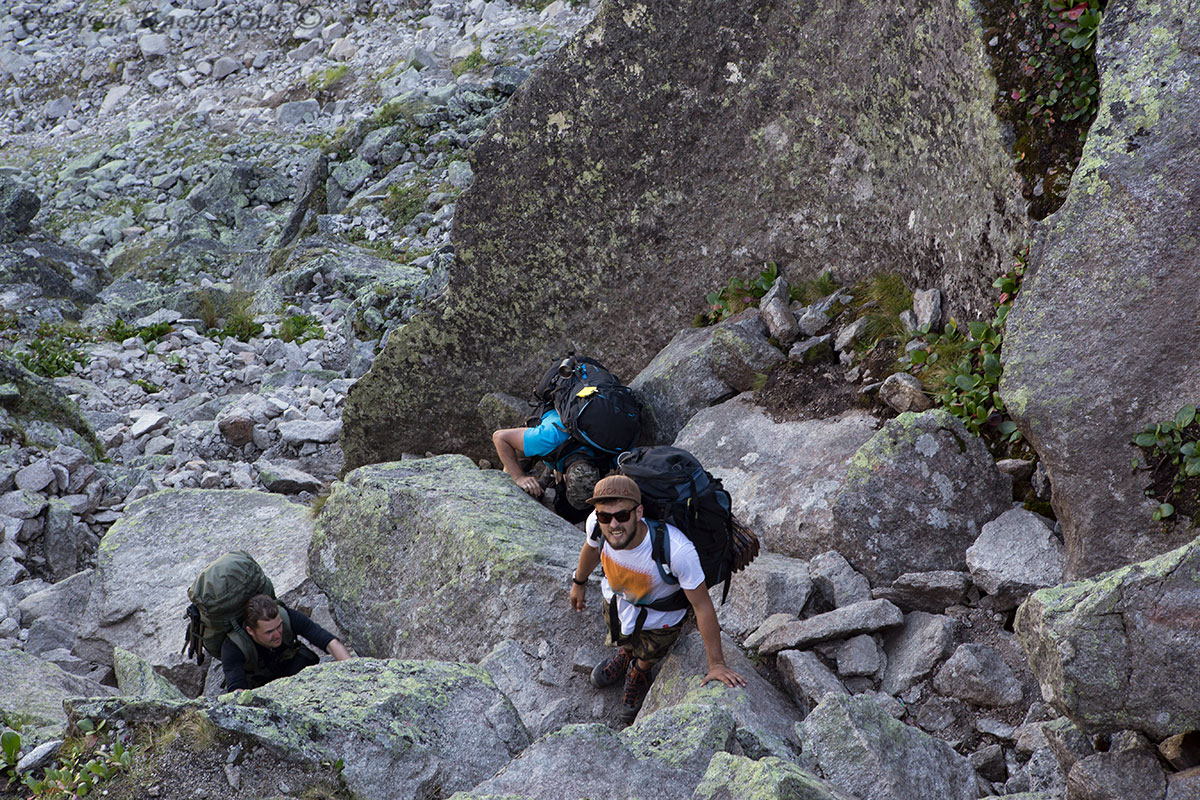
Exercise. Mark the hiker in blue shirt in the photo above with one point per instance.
(577, 468)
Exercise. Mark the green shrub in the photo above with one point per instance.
(119, 331)
(403, 203)
(737, 296)
(881, 299)
(241, 326)
(299, 328)
(472, 61)
(54, 351)
(1172, 449)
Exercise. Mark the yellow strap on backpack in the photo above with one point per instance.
(585, 391)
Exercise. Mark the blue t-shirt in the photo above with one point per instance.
(546, 437)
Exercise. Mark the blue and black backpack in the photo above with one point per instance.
(599, 412)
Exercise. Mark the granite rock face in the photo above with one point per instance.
(1117, 257)
(1108, 651)
(651, 170)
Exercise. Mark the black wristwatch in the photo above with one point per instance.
(576, 580)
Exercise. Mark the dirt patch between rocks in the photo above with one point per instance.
(797, 391)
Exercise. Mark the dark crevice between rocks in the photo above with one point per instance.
(1040, 79)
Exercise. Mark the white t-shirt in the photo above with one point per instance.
(634, 577)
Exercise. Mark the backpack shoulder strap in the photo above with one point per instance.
(660, 549)
(244, 643)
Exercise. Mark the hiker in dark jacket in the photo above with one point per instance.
(271, 630)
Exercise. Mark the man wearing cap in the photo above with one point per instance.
(632, 583)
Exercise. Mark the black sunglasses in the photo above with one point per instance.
(604, 517)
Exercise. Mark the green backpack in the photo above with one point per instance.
(219, 596)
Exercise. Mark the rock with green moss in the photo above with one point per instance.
(663, 756)
(764, 717)
(149, 558)
(611, 195)
(783, 476)
(47, 281)
(915, 497)
(856, 746)
(435, 558)
(1121, 247)
(403, 729)
(32, 693)
(699, 368)
(136, 678)
(732, 776)
(1108, 651)
(40, 401)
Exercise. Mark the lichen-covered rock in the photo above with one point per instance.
(46, 281)
(769, 585)
(1116, 776)
(1108, 651)
(18, 206)
(437, 558)
(769, 778)
(403, 729)
(699, 368)
(33, 691)
(857, 747)
(915, 497)
(764, 715)
(612, 193)
(136, 678)
(782, 476)
(40, 400)
(149, 558)
(1122, 245)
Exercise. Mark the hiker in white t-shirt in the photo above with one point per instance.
(643, 613)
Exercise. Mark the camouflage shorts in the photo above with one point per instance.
(649, 644)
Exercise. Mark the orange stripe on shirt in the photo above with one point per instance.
(634, 585)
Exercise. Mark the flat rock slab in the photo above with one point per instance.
(770, 584)
(1015, 553)
(1108, 651)
(858, 748)
(915, 498)
(868, 616)
(1093, 352)
(149, 558)
(783, 476)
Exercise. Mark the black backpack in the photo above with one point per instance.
(597, 410)
(678, 490)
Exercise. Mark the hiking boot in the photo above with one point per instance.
(606, 673)
(580, 478)
(637, 683)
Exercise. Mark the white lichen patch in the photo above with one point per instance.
(927, 445)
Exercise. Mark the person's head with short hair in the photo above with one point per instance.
(618, 503)
(262, 621)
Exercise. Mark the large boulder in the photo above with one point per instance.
(32, 693)
(18, 206)
(915, 498)
(1109, 651)
(436, 558)
(767, 778)
(40, 400)
(1116, 256)
(859, 748)
(403, 729)
(44, 281)
(782, 476)
(764, 717)
(613, 192)
(664, 754)
(149, 558)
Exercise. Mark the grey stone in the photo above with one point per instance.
(236, 426)
(837, 581)
(989, 762)
(35, 477)
(769, 585)
(777, 314)
(812, 320)
(915, 497)
(154, 44)
(1080, 636)
(859, 655)
(38, 757)
(783, 476)
(18, 206)
(1070, 369)
(62, 540)
(352, 174)
(148, 422)
(1067, 742)
(769, 778)
(848, 335)
(914, 651)
(159, 445)
(506, 79)
(285, 479)
(61, 600)
(865, 617)
(927, 308)
(902, 392)
(224, 67)
(769, 626)
(976, 673)
(460, 174)
(806, 678)
(1116, 776)
(858, 748)
(296, 113)
(136, 678)
(812, 350)
(682, 379)
(1041, 773)
(926, 591)
(35, 690)
(22, 504)
(298, 432)
(1015, 554)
